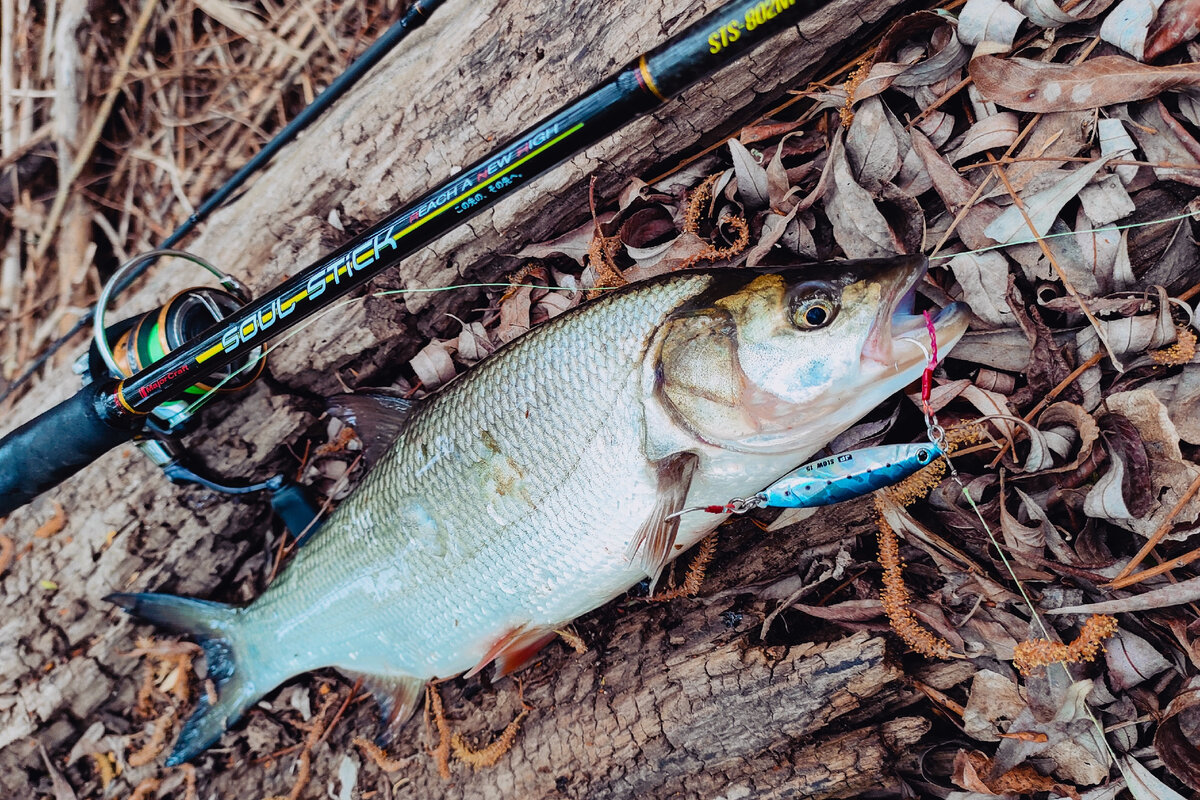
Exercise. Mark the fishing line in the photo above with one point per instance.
(1107, 229)
(292, 332)
(499, 285)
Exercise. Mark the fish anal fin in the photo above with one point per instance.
(653, 546)
(398, 697)
(377, 419)
(514, 650)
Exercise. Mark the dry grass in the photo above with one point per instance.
(207, 84)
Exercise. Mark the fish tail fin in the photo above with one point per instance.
(211, 625)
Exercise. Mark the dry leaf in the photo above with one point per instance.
(997, 130)
(433, 365)
(1142, 783)
(1131, 660)
(993, 701)
(473, 343)
(1178, 22)
(989, 25)
(1181, 394)
(1164, 141)
(1026, 85)
(574, 244)
(1048, 14)
(1041, 207)
(1116, 141)
(982, 277)
(872, 147)
(1174, 594)
(751, 178)
(858, 226)
(1177, 738)
(1128, 25)
(1020, 538)
(514, 314)
(1070, 740)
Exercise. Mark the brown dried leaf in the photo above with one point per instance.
(1178, 22)
(1026, 85)
(1071, 425)
(1070, 741)
(574, 244)
(998, 130)
(473, 343)
(858, 226)
(1142, 783)
(955, 192)
(1164, 141)
(872, 147)
(514, 314)
(992, 703)
(647, 226)
(1177, 739)
(1181, 394)
(1173, 594)
(1020, 538)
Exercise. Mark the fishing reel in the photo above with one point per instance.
(133, 344)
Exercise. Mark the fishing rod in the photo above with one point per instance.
(110, 411)
(414, 18)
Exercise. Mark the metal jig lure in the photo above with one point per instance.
(835, 478)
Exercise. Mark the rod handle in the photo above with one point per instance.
(52, 447)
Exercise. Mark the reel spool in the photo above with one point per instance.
(135, 343)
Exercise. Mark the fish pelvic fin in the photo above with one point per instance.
(398, 697)
(653, 546)
(515, 649)
(210, 624)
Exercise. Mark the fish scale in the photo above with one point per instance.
(437, 627)
(546, 480)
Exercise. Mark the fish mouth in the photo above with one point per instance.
(901, 340)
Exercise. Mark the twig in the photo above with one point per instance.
(93, 135)
(1154, 539)
(341, 710)
(1062, 276)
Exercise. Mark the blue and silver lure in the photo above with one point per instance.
(835, 478)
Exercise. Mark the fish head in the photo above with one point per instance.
(781, 360)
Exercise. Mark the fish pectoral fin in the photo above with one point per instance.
(376, 418)
(653, 545)
(515, 649)
(398, 697)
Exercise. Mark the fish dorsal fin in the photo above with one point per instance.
(377, 418)
(653, 544)
(515, 649)
(398, 697)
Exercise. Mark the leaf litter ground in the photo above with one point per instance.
(1046, 158)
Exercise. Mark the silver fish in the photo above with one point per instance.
(546, 480)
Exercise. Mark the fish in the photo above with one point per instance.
(546, 480)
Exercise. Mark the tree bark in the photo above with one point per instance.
(672, 700)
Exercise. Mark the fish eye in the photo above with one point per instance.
(812, 311)
(922, 456)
